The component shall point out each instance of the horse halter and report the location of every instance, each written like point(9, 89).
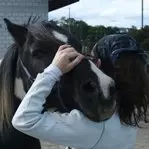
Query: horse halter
point(94, 59)
point(29, 76)
point(32, 79)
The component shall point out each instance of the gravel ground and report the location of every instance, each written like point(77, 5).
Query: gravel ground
point(142, 139)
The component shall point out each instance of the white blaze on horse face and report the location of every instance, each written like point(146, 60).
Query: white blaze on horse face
point(104, 80)
point(92, 51)
point(60, 36)
point(19, 88)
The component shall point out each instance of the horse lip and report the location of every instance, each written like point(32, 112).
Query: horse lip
point(106, 113)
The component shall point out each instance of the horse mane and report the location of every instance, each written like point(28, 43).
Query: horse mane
point(132, 82)
point(7, 76)
point(7, 81)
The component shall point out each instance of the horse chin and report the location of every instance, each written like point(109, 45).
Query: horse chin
point(106, 113)
point(102, 114)
point(101, 117)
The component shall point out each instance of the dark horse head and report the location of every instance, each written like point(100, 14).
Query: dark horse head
point(85, 88)
point(124, 60)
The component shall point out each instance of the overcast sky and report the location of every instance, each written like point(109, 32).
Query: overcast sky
point(121, 13)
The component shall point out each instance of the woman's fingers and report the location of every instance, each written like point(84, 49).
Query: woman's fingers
point(68, 50)
point(72, 55)
point(62, 47)
point(76, 61)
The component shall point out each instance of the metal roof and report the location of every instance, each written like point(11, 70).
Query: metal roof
point(56, 4)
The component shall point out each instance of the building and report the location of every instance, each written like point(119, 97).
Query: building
point(18, 11)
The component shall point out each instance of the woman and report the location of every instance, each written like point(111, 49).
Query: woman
point(69, 129)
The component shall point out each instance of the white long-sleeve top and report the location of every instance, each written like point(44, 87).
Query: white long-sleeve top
point(69, 129)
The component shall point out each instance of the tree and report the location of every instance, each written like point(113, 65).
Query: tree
point(145, 44)
point(88, 35)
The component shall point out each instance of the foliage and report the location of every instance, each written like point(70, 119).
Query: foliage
point(89, 35)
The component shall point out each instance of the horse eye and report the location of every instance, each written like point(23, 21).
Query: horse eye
point(38, 54)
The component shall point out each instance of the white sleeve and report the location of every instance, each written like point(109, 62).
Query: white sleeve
point(69, 129)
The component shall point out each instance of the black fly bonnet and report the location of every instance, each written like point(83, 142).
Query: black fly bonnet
point(112, 45)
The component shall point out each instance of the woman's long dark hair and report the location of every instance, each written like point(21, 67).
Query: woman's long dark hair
point(132, 83)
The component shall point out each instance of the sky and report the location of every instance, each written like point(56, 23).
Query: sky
point(120, 13)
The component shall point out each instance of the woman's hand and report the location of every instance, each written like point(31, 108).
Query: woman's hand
point(67, 58)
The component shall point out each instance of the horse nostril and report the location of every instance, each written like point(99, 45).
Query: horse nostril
point(89, 87)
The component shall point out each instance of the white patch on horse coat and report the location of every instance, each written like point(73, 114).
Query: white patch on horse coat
point(19, 88)
point(69, 148)
point(104, 80)
point(1, 61)
point(60, 36)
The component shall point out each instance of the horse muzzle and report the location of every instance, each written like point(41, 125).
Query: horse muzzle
point(93, 103)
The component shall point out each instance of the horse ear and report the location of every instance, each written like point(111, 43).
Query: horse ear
point(18, 32)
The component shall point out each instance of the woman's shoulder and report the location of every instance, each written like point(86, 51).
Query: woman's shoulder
point(117, 135)
point(114, 121)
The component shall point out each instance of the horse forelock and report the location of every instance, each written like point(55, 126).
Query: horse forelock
point(47, 31)
point(43, 31)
